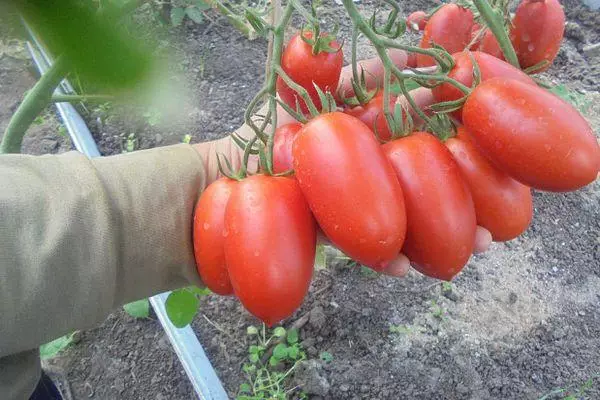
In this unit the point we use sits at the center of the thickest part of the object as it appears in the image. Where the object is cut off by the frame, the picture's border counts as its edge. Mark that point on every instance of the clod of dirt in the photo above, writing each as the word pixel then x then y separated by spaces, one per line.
pixel 309 376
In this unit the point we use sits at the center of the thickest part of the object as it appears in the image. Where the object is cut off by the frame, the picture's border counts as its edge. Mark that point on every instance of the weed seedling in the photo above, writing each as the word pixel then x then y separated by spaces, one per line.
pixel 271 360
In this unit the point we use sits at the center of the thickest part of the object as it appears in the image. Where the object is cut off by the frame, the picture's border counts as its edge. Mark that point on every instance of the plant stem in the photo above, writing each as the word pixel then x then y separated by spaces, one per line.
pixel 496 25
pixel 33 104
pixel 73 98
pixel 233 19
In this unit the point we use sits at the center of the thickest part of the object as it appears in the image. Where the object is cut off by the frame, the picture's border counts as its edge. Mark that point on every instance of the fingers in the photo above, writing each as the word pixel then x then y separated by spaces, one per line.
pixel 373 71
pixel 423 99
pixel 483 240
pixel 398 268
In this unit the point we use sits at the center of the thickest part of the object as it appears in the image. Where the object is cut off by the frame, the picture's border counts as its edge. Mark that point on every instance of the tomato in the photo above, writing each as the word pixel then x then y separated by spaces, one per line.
pixel 489 66
pixel 450 27
pixel 416 21
pixel 304 68
pixel 537 31
pixel 502 205
pixel 441 220
pixel 373 116
pixel 270 245
pixel 411 61
pixel 351 188
pixel 474 32
pixel 489 44
pixel 282 146
pixel 209 224
pixel 533 135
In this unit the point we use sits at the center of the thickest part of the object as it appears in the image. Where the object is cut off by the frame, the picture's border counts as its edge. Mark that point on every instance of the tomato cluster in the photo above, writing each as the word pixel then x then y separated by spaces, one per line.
pixel 414 194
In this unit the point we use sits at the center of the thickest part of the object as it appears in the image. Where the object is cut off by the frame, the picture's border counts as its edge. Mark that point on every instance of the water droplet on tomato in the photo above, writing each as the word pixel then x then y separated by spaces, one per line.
pixel 225 233
pixel 256 253
pixel 525 37
pixel 530 47
pixel 206 226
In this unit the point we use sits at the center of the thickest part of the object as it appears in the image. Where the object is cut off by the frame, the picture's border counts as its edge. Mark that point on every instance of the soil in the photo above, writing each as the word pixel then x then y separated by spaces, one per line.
pixel 519 322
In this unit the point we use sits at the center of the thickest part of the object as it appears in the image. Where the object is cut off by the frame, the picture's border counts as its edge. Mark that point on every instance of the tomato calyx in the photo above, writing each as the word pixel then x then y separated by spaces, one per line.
pixel 441 126
pixel 321 42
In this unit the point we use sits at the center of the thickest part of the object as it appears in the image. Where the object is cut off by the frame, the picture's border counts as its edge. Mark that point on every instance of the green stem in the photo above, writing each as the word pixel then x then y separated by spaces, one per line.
pixel 34 102
pixel 496 24
pixel 74 98
pixel 233 19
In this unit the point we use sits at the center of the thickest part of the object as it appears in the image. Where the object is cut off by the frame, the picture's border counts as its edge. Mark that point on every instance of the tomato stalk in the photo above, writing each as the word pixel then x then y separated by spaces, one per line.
pixel 74 98
pixel 495 22
pixel 33 104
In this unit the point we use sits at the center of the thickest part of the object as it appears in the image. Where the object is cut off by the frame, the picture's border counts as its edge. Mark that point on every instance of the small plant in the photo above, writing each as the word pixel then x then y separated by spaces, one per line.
pixel 271 360
pixel 138 309
pixel 130 143
pixel 182 304
pixel 326 356
pixel 153 116
pixel 437 310
pixel 54 347
pixel 572 392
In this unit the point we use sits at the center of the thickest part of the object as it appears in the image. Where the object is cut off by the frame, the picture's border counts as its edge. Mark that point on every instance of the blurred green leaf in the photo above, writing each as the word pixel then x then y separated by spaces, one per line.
pixel 279 331
pixel 320 258
pixel 177 15
pixel 95 45
pixel 181 306
pixel 199 291
pixel 138 309
pixel 195 14
pixel 577 100
pixel 280 351
pixel 202 5
pixel 326 356
pixel 51 349
pixel 292 336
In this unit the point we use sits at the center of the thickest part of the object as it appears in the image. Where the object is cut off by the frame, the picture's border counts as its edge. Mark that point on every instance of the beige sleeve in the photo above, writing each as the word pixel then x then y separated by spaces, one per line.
pixel 80 237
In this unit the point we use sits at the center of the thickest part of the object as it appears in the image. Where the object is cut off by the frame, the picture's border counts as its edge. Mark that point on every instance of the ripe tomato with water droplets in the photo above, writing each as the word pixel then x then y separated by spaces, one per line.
pixel 305 68
pixel 351 188
pixel 449 27
pixel 441 222
pixel 209 225
pixel 270 245
pixel 537 32
pixel 533 135
pixel 372 115
pixel 503 206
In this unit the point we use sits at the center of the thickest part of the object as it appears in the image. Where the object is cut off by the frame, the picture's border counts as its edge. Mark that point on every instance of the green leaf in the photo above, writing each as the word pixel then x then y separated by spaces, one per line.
pixel 181 306
pixel 292 336
pixel 280 351
pixel 138 309
pixel 249 368
pixel 51 349
pixel 251 330
pixel 326 356
pixel 187 139
pixel 320 258
pixel 293 352
pixel 279 331
pixel 198 291
pixel 202 5
pixel 253 358
pixel 245 388
pixel 255 349
pixel 195 14
pixel 273 361
pixel 577 100
pixel 177 15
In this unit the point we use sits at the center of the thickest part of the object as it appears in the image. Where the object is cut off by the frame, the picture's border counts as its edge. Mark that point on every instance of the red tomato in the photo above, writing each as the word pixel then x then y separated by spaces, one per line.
pixel 450 27
pixel 489 44
pixel 441 218
pixel 304 68
pixel 282 147
pixel 474 32
pixel 502 205
pixel 416 21
pixel 270 245
pixel 372 115
pixel 411 61
pixel 489 66
pixel 209 224
pixel 351 188
pixel 537 31
pixel 533 135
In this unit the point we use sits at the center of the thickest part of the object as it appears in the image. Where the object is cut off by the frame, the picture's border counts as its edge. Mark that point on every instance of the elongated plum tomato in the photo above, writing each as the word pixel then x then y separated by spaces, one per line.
pixel 533 135
pixel 537 31
pixel 450 27
pixel 441 217
pixel 502 205
pixel 489 44
pixel 416 21
pixel 372 115
pixel 282 146
pixel 351 188
pixel 489 66
pixel 209 225
pixel 270 245
pixel 304 67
